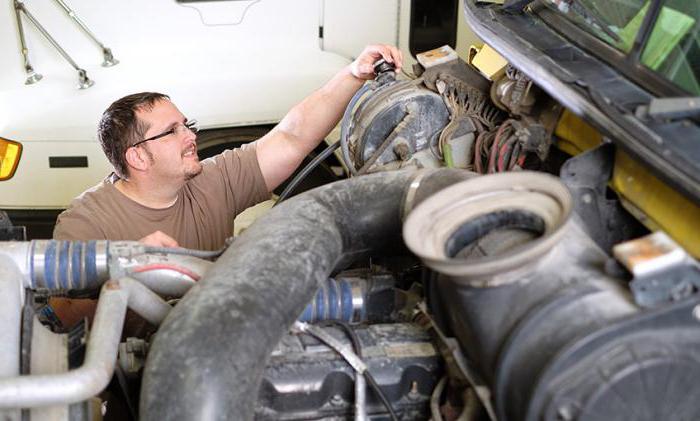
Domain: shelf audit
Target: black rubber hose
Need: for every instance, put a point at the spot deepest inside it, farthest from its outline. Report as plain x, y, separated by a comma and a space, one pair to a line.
207, 359
357, 347
202, 254
305, 172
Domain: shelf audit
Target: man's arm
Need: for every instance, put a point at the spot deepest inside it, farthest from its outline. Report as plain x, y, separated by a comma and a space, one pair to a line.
282, 150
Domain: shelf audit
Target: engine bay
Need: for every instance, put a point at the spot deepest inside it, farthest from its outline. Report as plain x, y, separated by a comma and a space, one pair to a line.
469, 269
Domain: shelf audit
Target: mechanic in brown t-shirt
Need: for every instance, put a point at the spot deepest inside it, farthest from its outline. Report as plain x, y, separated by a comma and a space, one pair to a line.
161, 194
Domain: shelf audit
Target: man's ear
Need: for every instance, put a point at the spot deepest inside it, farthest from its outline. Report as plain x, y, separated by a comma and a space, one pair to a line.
138, 159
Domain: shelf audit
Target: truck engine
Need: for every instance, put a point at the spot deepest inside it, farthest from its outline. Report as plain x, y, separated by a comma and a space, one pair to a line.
459, 273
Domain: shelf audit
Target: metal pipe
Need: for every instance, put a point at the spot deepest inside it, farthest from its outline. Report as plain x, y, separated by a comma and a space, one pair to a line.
170, 275
101, 354
68, 265
11, 300
167, 283
58, 265
360, 397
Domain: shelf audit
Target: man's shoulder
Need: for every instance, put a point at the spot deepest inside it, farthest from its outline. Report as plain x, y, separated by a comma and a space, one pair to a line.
81, 220
95, 195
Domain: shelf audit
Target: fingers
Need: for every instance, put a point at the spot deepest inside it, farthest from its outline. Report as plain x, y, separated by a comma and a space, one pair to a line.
391, 54
363, 66
159, 239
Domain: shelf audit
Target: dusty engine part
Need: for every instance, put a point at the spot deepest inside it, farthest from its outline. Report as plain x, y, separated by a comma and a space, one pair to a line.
254, 272
507, 147
402, 123
553, 277
353, 298
514, 92
393, 124
9, 232
304, 379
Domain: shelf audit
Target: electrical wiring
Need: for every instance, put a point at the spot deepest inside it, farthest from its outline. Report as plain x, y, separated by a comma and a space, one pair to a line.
350, 358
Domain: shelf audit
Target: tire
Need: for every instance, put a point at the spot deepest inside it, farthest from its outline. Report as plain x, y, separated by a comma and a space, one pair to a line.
213, 142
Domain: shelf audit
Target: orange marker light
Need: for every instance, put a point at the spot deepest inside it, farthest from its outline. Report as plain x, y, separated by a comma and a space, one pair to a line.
10, 152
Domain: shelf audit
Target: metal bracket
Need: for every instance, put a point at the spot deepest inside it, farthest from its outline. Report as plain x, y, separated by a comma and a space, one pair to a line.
9, 232
458, 363
663, 272
84, 81
109, 59
587, 175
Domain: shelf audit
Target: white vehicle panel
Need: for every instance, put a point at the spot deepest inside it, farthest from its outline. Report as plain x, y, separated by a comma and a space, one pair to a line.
249, 72
45, 186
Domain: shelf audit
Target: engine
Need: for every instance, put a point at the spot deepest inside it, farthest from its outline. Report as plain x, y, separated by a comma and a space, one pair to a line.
453, 276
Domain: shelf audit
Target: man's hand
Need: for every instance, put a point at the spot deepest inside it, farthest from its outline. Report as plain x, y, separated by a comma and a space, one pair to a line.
282, 150
363, 66
159, 239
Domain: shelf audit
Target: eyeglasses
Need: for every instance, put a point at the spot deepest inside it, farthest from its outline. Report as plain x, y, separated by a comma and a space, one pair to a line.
179, 130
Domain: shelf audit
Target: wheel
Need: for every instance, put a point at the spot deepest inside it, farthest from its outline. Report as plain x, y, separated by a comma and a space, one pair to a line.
213, 142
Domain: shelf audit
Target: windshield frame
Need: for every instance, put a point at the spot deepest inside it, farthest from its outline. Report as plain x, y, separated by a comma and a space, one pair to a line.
628, 63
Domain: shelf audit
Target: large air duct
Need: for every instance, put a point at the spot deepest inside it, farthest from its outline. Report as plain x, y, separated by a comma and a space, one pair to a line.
526, 293
207, 359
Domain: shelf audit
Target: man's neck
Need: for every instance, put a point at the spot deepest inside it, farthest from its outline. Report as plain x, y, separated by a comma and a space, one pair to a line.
156, 197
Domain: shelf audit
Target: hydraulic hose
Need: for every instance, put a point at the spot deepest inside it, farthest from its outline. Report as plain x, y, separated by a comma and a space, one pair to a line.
305, 172
212, 348
68, 265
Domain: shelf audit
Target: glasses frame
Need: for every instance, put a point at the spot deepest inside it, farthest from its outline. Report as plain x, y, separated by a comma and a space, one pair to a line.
191, 125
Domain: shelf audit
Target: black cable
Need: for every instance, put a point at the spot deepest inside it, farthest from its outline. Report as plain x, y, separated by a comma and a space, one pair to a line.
382, 396
357, 348
305, 172
202, 254
354, 340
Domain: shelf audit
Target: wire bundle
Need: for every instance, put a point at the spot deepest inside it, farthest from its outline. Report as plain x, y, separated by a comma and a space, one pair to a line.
500, 150
466, 105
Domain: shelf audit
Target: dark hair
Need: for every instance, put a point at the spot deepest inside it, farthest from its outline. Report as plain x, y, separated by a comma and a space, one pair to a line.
119, 128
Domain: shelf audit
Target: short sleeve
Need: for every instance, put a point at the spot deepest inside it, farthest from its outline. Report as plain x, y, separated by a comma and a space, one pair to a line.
243, 176
73, 226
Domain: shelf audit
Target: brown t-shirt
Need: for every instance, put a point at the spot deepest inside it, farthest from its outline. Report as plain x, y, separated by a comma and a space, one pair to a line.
201, 217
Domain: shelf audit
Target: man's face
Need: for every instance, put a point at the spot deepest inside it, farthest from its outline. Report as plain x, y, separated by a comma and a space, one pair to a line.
174, 155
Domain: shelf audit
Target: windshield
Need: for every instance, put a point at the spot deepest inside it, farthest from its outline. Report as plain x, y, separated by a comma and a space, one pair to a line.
672, 48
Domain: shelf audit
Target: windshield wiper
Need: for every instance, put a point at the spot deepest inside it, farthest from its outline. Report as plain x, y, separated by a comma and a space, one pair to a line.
565, 6
582, 10
670, 108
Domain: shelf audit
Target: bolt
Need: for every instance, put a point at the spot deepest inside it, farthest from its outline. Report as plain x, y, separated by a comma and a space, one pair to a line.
564, 413
402, 151
414, 394
337, 400
696, 312
587, 198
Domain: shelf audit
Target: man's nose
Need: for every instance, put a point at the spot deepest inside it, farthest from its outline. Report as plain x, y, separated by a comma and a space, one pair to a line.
190, 135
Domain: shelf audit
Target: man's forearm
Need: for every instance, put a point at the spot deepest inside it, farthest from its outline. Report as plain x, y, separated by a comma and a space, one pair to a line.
312, 120
309, 122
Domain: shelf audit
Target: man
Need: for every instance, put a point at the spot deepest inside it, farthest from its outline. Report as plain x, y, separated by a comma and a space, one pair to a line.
161, 194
